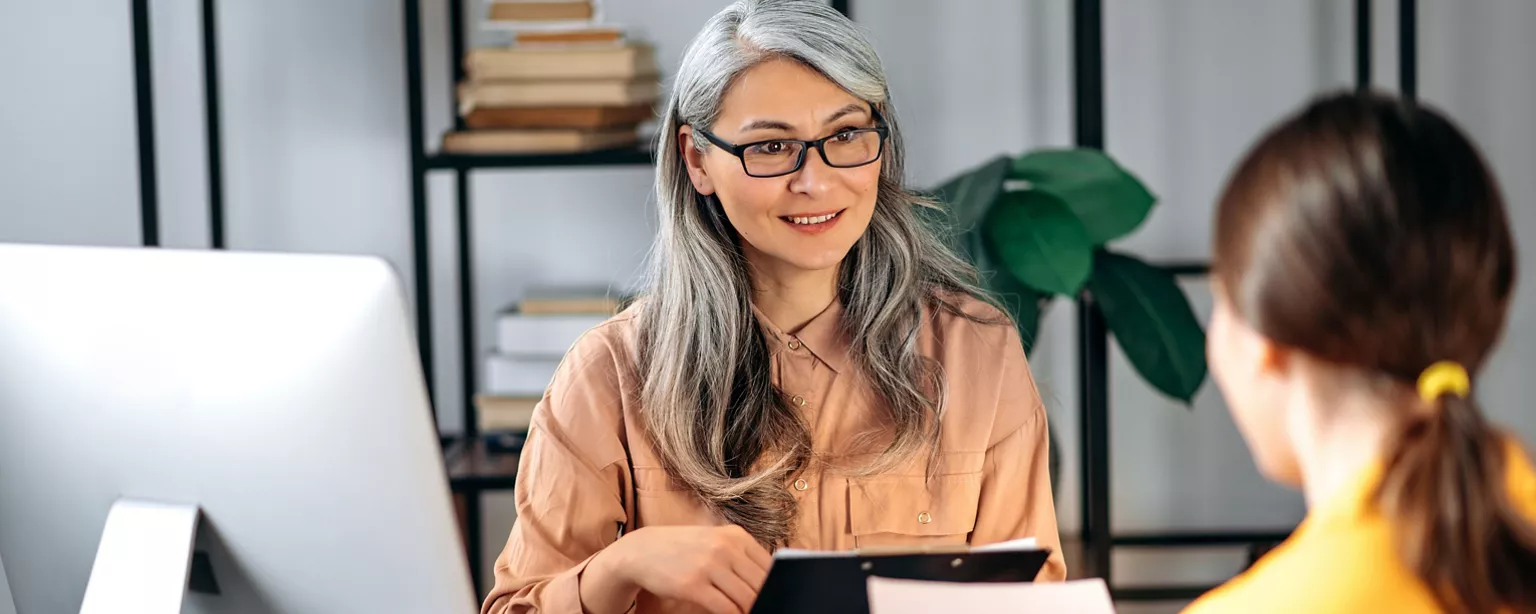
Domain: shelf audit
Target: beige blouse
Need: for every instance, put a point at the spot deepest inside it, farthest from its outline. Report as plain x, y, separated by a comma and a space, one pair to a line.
587, 472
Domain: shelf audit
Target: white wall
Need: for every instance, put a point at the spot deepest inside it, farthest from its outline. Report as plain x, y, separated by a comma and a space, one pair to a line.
316, 161
68, 142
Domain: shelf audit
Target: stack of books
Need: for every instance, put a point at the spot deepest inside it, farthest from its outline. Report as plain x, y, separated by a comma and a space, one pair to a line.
532, 337
567, 83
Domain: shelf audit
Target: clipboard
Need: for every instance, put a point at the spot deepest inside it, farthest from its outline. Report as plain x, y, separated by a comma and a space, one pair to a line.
837, 583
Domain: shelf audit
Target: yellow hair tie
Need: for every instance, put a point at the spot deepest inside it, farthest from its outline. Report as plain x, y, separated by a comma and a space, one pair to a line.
1446, 376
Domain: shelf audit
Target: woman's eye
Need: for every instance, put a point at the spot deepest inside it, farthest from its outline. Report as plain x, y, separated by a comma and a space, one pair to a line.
770, 148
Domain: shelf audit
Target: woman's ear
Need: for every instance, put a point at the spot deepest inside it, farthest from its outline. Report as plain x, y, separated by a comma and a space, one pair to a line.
1274, 359
694, 160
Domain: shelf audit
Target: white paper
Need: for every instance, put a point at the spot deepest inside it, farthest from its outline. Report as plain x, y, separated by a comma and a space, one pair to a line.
792, 553
887, 596
1015, 545
1012, 545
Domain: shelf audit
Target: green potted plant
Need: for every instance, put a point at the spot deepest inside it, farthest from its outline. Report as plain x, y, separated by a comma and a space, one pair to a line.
1038, 225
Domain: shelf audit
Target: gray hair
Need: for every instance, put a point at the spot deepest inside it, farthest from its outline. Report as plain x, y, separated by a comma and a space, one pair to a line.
709, 405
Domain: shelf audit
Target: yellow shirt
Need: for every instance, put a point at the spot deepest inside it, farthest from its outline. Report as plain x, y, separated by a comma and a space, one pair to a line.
1343, 559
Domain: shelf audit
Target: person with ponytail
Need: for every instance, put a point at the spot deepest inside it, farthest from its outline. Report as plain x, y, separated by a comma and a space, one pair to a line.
1363, 267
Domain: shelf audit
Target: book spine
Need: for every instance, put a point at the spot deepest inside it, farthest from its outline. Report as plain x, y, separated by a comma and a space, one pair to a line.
509, 376
541, 336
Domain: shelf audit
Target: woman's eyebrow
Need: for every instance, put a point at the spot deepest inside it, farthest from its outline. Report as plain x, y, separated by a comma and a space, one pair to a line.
767, 124
853, 107
774, 124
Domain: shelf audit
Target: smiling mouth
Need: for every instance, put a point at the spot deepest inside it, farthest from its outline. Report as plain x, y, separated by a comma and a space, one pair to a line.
810, 220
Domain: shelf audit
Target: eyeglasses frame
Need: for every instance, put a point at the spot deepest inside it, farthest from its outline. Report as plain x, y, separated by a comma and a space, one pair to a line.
881, 128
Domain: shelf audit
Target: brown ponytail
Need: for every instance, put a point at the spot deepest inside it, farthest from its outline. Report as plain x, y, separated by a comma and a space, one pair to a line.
1445, 489
1368, 232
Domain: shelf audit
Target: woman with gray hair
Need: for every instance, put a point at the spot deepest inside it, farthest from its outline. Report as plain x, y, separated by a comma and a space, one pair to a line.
810, 367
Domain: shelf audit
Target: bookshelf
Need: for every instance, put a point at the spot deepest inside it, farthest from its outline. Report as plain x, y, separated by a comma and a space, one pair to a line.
425, 161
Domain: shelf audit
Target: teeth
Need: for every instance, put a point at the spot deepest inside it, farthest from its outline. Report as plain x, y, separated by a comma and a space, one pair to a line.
813, 220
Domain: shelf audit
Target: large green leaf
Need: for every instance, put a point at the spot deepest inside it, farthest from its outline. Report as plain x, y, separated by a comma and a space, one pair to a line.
1151, 318
1022, 302
1040, 242
968, 196
1110, 201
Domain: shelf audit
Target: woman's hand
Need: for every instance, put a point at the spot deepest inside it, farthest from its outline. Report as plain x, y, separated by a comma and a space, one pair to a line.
717, 568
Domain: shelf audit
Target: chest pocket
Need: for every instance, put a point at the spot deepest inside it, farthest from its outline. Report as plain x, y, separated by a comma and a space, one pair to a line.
660, 500
908, 511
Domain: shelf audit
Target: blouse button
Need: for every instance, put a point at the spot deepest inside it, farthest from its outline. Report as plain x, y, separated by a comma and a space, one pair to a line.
801, 485
924, 518
794, 344
798, 400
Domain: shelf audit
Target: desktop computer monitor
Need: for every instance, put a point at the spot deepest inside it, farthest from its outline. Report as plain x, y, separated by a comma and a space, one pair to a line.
254, 426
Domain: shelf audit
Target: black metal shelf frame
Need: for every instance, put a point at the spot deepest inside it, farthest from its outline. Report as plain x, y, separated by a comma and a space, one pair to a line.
1093, 345
608, 157
144, 112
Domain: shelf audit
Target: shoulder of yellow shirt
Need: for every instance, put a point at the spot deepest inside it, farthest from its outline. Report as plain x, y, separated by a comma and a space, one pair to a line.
1346, 568
1329, 572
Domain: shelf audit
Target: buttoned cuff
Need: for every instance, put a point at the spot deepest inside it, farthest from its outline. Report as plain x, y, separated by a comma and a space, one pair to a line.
562, 594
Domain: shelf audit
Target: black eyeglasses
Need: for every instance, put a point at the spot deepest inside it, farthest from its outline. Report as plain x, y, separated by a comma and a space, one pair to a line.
777, 157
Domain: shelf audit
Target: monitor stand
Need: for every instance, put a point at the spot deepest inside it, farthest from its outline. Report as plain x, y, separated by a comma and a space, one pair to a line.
145, 559
7, 602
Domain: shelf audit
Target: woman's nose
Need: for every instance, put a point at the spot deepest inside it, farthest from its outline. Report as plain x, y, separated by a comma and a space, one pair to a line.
814, 178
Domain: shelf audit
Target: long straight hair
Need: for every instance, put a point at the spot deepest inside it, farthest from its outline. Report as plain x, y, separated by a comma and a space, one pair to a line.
709, 405
1369, 232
